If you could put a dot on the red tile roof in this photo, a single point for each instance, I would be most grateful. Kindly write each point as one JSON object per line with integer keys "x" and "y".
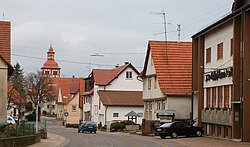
{"x": 173, "y": 66}
{"x": 15, "y": 96}
{"x": 106, "y": 76}
{"x": 68, "y": 86}
{"x": 121, "y": 98}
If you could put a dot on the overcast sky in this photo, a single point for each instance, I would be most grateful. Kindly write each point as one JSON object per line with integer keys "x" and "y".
{"x": 79, "y": 28}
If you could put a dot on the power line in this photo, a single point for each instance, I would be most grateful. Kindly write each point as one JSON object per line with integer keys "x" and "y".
{"x": 67, "y": 61}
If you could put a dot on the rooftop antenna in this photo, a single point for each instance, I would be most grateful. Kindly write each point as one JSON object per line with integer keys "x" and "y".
{"x": 165, "y": 27}
{"x": 179, "y": 32}
{"x": 3, "y": 16}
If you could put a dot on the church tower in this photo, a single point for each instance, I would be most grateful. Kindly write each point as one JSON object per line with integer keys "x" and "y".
{"x": 50, "y": 67}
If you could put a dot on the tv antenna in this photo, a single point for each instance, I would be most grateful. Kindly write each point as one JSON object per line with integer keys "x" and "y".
{"x": 165, "y": 28}
{"x": 164, "y": 23}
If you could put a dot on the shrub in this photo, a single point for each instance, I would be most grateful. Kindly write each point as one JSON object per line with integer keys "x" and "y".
{"x": 128, "y": 122}
{"x": 116, "y": 126}
{"x": 44, "y": 112}
{"x": 31, "y": 117}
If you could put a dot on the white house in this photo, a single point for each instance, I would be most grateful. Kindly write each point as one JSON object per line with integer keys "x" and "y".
{"x": 167, "y": 81}
{"x": 112, "y": 93}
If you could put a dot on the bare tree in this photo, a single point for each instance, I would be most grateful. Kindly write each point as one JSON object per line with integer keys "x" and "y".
{"x": 39, "y": 89}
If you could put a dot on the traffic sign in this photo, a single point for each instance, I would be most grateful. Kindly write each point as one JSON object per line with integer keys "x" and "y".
{"x": 66, "y": 113}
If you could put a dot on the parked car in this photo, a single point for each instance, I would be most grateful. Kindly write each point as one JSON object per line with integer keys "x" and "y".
{"x": 178, "y": 128}
{"x": 88, "y": 126}
{"x": 11, "y": 120}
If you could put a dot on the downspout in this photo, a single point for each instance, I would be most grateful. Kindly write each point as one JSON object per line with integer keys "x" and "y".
{"x": 106, "y": 115}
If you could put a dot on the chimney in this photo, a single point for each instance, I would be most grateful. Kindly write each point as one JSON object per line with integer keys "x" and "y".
{"x": 126, "y": 63}
{"x": 117, "y": 65}
{"x": 73, "y": 76}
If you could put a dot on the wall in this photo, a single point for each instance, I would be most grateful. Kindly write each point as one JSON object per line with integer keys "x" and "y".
{"x": 182, "y": 105}
{"x": 223, "y": 34}
{"x": 3, "y": 91}
{"x": 154, "y": 92}
{"x": 122, "y": 112}
{"x": 123, "y": 84}
{"x": 74, "y": 116}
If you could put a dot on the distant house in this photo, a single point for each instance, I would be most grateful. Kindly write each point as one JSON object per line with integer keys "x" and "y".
{"x": 112, "y": 93}
{"x": 167, "y": 81}
{"x": 69, "y": 100}
{"x": 221, "y": 74}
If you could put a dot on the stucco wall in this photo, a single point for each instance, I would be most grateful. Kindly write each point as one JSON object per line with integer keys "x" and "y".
{"x": 74, "y": 116}
{"x": 182, "y": 105}
{"x": 3, "y": 91}
{"x": 224, "y": 34}
{"x": 122, "y": 112}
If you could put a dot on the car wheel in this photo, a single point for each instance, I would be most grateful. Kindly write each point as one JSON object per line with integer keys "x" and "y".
{"x": 82, "y": 131}
{"x": 163, "y": 136}
{"x": 174, "y": 135}
{"x": 90, "y": 131}
{"x": 95, "y": 132}
{"x": 198, "y": 133}
{"x": 78, "y": 131}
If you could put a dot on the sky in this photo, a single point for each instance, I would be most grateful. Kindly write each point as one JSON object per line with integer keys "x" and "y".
{"x": 117, "y": 29}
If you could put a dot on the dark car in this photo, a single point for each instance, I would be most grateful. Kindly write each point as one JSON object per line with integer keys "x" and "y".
{"x": 88, "y": 126}
{"x": 178, "y": 128}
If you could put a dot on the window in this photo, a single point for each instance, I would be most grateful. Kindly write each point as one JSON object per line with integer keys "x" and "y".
{"x": 115, "y": 114}
{"x": 149, "y": 83}
{"x": 46, "y": 72}
{"x": 220, "y": 96}
{"x": 220, "y": 51}
{"x": 163, "y": 105}
{"x": 47, "y": 106}
{"x": 140, "y": 114}
{"x": 151, "y": 106}
{"x": 158, "y": 105}
{"x": 53, "y": 106}
{"x": 54, "y": 72}
{"x": 73, "y": 107}
{"x": 95, "y": 109}
{"x": 208, "y": 95}
{"x": 129, "y": 75}
{"x": 214, "y": 96}
{"x": 232, "y": 45}
{"x": 226, "y": 96}
{"x": 155, "y": 84}
{"x": 208, "y": 55}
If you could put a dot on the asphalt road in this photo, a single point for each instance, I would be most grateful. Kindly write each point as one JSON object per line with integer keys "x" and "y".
{"x": 104, "y": 139}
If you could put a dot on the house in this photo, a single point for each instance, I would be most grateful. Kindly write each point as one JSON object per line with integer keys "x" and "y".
{"x": 6, "y": 71}
{"x": 167, "y": 81}
{"x": 68, "y": 100}
{"x": 112, "y": 93}
{"x": 6, "y": 68}
{"x": 221, "y": 74}
{"x": 15, "y": 101}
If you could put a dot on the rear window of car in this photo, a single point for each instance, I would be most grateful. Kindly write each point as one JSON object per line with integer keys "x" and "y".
{"x": 166, "y": 125}
{"x": 89, "y": 122}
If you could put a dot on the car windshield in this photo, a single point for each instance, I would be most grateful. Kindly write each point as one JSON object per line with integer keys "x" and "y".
{"x": 89, "y": 123}
{"x": 166, "y": 124}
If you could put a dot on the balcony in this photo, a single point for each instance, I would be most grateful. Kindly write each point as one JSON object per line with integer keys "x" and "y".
{"x": 86, "y": 107}
{"x": 221, "y": 117}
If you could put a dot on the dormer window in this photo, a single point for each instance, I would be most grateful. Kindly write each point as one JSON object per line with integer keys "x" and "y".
{"x": 129, "y": 75}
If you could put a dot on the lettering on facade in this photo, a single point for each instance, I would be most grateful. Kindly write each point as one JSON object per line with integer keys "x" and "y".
{"x": 218, "y": 74}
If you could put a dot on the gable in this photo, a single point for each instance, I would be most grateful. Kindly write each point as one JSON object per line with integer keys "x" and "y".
{"x": 237, "y": 4}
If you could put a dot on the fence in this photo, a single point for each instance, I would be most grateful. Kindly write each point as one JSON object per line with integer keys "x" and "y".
{"x": 22, "y": 129}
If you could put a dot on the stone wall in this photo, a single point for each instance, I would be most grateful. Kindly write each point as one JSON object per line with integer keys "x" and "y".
{"x": 220, "y": 117}
{"x": 20, "y": 141}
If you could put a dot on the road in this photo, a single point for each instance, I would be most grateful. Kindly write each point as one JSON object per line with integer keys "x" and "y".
{"x": 106, "y": 139}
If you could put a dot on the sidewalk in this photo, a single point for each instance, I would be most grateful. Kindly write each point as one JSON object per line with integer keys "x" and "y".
{"x": 52, "y": 140}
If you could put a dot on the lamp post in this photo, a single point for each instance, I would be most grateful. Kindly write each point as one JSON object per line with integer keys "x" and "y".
{"x": 37, "y": 115}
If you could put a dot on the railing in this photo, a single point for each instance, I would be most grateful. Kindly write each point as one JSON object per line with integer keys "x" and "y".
{"x": 22, "y": 129}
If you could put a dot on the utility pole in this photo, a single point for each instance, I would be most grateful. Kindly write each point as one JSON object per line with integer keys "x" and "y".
{"x": 179, "y": 32}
